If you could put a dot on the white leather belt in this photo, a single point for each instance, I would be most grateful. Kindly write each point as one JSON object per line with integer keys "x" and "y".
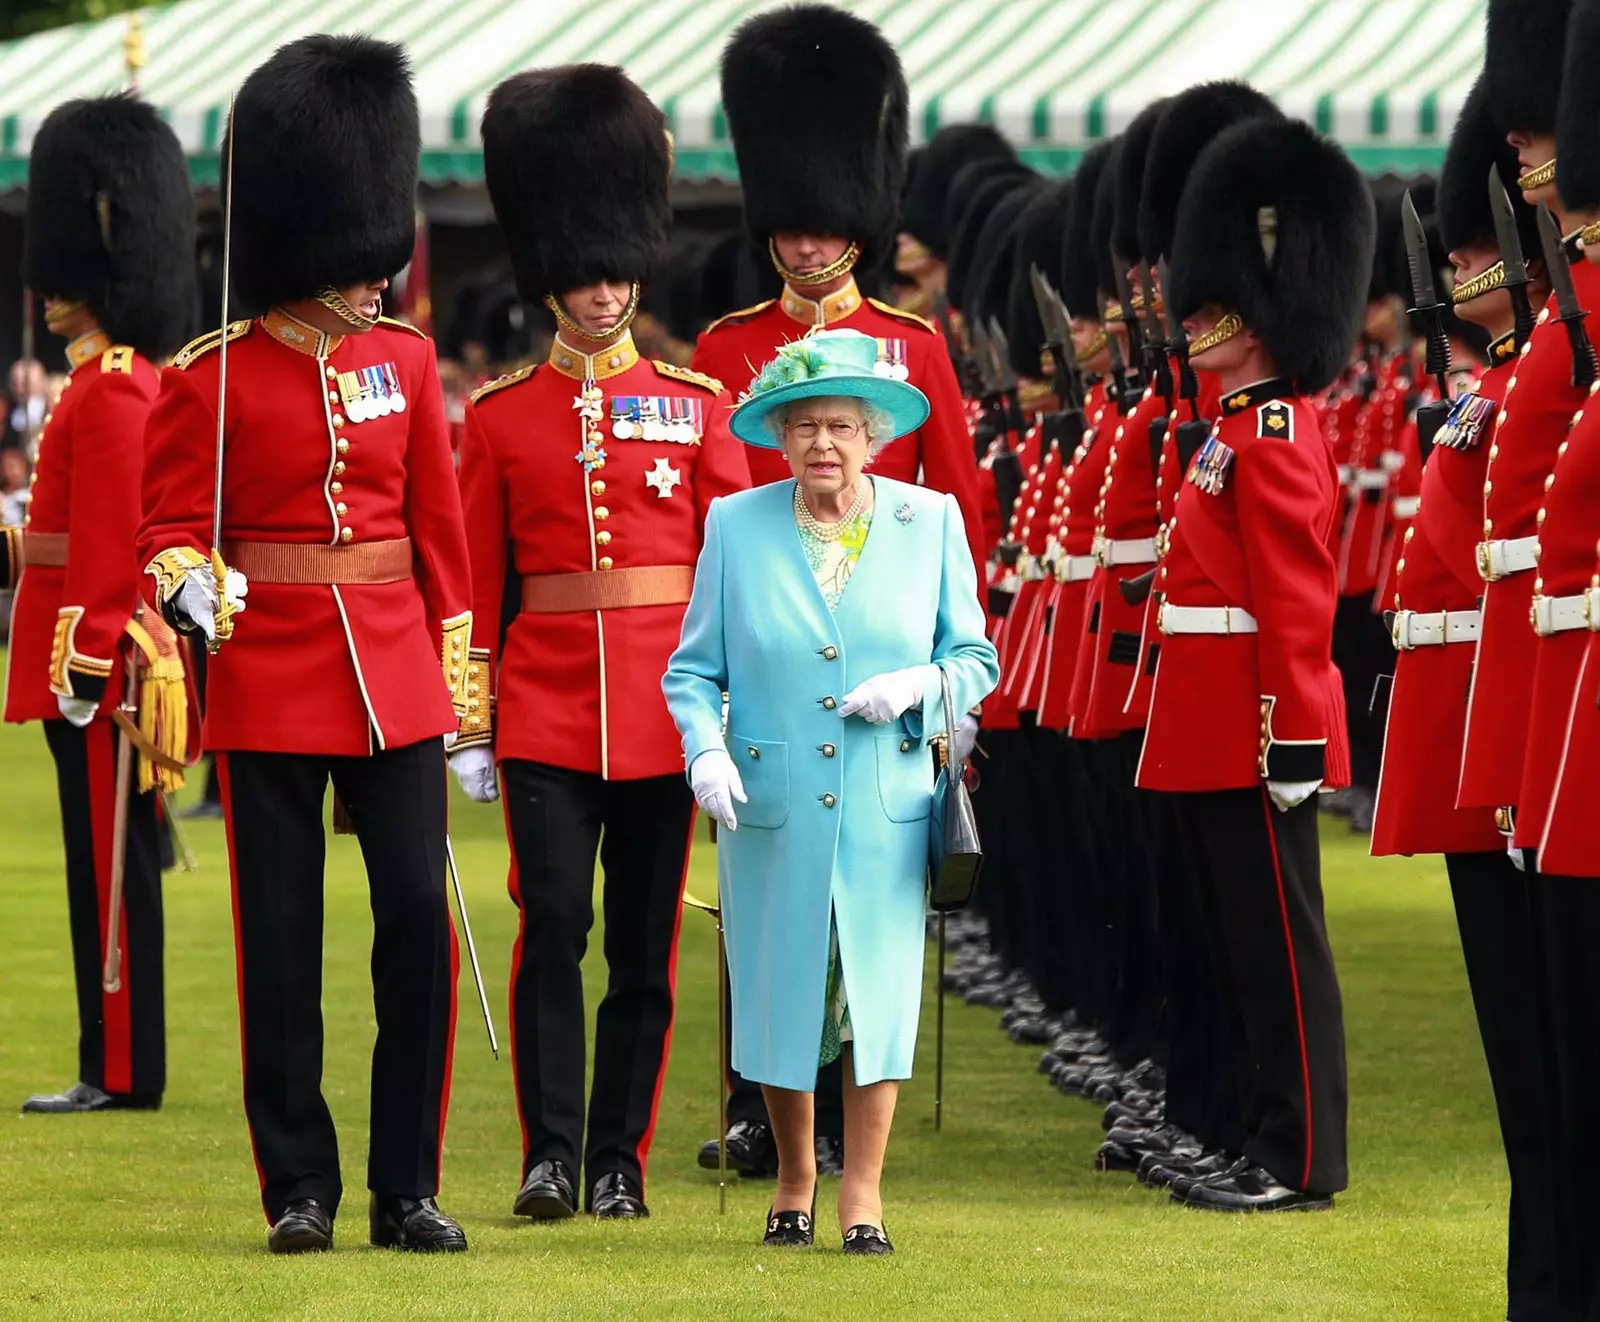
{"x": 1344, "y": 474}
{"x": 1406, "y": 507}
{"x": 1392, "y": 461}
{"x": 1075, "y": 568}
{"x": 1205, "y": 619}
{"x": 1369, "y": 479}
{"x": 1125, "y": 551}
{"x": 1435, "y": 628}
{"x": 1559, "y": 614}
{"x": 1515, "y": 555}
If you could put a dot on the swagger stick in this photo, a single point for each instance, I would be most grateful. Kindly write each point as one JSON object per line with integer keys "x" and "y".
{"x": 715, "y": 910}
{"x": 111, "y": 972}
{"x": 938, "y": 1054}
{"x": 472, "y": 949}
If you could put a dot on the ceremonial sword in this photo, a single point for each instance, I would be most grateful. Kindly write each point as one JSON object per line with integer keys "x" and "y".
{"x": 472, "y": 949}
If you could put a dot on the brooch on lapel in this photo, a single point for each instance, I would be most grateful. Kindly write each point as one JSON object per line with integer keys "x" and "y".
{"x": 905, "y": 514}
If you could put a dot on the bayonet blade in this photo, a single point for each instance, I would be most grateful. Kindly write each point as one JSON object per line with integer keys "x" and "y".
{"x": 983, "y": 358}
{"x": 1041, "y": 300}
{"x": 1555, "y": 261}
{"x": 1417, "y": 258}
{"x": 1505, "y": 230}
{"x": 1000, "y": 346}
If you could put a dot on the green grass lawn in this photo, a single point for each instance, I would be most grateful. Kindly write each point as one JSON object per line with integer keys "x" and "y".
{"x": 998, "y": 1216}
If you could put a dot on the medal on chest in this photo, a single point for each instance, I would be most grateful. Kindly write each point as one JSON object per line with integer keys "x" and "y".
{"x": 679, "y": 421}
{"x": 371, "y": 392}
{"x": 1208, "y": 470}
{"x": 891, "y": 360}
{"x": 1464, "y": 428}
{"x": 589, "y": 404}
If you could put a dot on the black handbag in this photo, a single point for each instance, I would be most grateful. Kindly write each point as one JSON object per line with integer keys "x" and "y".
{"x": 955, "y": 854}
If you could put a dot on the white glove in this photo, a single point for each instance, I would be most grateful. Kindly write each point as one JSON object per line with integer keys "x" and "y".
{"x": 196, "y": 598}
{"x": 889, "y": 696}
{"x": 966, "y": 737}
{"x": 1287, "y": 793}
{"x": 474, "y": 771}
{"x": 80, "y": 711}
{"x": 716, "y": 784}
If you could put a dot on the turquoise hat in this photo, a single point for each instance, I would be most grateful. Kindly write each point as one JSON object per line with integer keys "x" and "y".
{"x": 830, "y": 363}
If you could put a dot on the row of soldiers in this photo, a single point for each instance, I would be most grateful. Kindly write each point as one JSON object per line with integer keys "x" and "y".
{"x": 1451, "y": 572}
{"x": 1150, "y": 351}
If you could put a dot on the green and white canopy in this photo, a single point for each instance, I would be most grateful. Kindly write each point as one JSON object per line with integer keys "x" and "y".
{"x": 1385, "y": 77}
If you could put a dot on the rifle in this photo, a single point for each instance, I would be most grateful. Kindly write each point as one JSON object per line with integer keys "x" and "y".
{"x": 960, "y": 358}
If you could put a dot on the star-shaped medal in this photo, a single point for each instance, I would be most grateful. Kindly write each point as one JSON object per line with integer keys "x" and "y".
{"x": 663, "y": 477}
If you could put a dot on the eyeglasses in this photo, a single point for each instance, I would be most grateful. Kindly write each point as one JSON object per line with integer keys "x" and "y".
{"x": 839, "y": 429}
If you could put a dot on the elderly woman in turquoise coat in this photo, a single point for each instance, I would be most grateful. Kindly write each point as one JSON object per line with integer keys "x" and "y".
{"x": 825, "y": 609}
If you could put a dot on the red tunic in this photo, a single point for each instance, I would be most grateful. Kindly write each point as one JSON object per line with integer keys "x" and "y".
{"x": 1539, "y": 403}
{"x": 1570, "y": 846}
{"x": 67, "y": 622}
{"x": 314, "y": 668}
{"x": 582, "y": 689}
{"x": 1019, "y": 678}
{"x": 1109, "y": 656}
{"x": 939, "y": 454}
{"x": 1208, "y": 405}
{"x": 1373, "y": 461}
{"x": 1073, "y": 532}
{"x": 1568, "y": 522}
{"x": 1229, "y": 710}
{"x": 1437, "y": 572}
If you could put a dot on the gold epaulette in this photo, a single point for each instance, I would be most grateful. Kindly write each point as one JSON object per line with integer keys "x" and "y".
{"x": 901, "y": 314}
{"x": 402, "y": 325}
{"x": 694, "y": 378}
{"x": 118, "y": 358}
{"x": 501, "y": 382}
{"x": 204, "y": 344}
{"x": 729, "y": 318}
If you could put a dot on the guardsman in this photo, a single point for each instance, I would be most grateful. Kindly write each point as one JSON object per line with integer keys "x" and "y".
{"x": 339, "y": 510}
{"x": 110, "y": 248}
{"x": 1246, "y": 717}
{"x": 587, "y": 478}
{"x": 822, "y": 197}
{"x": 1201, "y": 1111}
{"x": 1435, "y": 623}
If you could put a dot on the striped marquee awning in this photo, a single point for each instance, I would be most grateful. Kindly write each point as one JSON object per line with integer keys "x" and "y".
{"x": 1385, "y": 77}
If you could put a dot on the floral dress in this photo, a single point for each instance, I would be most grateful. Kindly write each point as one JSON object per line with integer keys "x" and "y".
{"x": 833, "y": 561}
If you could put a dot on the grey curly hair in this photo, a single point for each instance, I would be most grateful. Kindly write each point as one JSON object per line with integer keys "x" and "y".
{"x": 880, "y": 426}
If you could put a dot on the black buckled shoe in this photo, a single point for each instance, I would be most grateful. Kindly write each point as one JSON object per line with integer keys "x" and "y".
{"x": 751, "y": 1151}
{"x": 615, "y": 1198}
{"x": 1253, "y": 1189}
{"x": 1202, "y": 1170}
{"x": 415, "y": 1225}
{"x": 830, "y": 1155}
{"x": 85, "y": 1097}
{"x": 1114, "y": 1156}
{"x": 868, "y": 1241}
{"x": 304, "y": 1227}
{"x": 790, "y": 1230}
{"x": 548, "y": 1194}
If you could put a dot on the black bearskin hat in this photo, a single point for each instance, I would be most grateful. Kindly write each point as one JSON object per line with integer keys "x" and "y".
{"x": 1523, "y": 44}
{"x": 933, "y": 170}
{"x": 1192, "y": 119}
{"x": 1038, "y": 243}
{"x": 325, "y": 142}
{"x": 577, "y": 165}
{"x": 1476, "y": 144}
{"x": 1578, "y": 118}
{"x": 734, "y": 276}
{"x": 1130, "y": 179}
{"x": 977, "y": 191}
{"x": 1080, "y": 273}
{"x": 1390, "y": 275}
{"x": 1104, "y": 222}
{"x": 988, "y": 286}
{"x": 111, "y": 221}
{"x": 1277, "y": 225}
{"x": 819, "y": 114}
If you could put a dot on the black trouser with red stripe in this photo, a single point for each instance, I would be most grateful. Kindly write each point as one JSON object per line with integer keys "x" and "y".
{"x": 641, "y": 829}
{"x": 1262, "y": 870}
{"x": 273, "y": 806}
{"x": 1503, "y": 949}
{"x": 121, "y": 1035}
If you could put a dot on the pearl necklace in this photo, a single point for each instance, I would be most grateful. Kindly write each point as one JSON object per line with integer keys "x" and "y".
{"x": 826, "y": 532}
